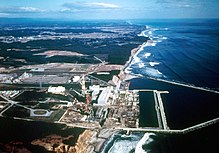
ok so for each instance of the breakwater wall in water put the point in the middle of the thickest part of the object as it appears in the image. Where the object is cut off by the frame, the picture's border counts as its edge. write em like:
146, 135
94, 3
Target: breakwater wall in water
172, 82
169, 131
184, 85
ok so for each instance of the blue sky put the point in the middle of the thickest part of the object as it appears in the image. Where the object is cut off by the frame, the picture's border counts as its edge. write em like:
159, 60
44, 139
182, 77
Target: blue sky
109, 9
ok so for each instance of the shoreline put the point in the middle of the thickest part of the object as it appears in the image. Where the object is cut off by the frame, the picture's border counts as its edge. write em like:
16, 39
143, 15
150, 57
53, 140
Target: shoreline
123, 75
128, 76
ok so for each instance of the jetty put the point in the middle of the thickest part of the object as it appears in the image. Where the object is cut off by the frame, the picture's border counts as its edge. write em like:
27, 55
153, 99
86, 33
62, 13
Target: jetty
169, 131
162, 121
184, 85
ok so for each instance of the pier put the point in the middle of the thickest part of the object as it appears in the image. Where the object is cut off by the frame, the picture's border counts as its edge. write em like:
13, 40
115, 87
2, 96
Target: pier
161, 116
157, 108
184, 85
162, 121
169, 131
161, 108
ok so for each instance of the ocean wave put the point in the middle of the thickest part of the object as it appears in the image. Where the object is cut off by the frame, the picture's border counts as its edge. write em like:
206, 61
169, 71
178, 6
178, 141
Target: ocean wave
154, 63
143, 33
147, 27
166, 28
155, 37
139, 65
136, 60
128, 70
146, 55
122, 143
150, 43
142, 47
150, 32
152, 72
145, 140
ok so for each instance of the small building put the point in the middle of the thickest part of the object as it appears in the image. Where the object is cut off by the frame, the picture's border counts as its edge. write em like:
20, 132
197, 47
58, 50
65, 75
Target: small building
37, 70
94, 87
76, 78
56, 90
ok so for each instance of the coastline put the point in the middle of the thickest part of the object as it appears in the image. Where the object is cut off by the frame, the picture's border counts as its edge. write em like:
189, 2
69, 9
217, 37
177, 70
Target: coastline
123, 75
95, 140
127, 76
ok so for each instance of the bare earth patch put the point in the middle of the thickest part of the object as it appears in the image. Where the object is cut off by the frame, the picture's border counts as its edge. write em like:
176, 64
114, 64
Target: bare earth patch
51, 53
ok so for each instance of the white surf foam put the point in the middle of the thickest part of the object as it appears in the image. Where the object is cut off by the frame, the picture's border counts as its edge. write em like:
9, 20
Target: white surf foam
145, 140
136, 62
128, 70
147, 27
155, 37
146, 55
159, 72
151, 43
124, 145
141, 65
154, 63
139, 35
150, 32
144, 33
152, 72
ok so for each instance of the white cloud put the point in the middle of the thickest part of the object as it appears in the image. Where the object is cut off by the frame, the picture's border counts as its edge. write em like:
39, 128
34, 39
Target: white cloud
21, 9
86, 6
4, 14
103, 5
184, 6
29, 9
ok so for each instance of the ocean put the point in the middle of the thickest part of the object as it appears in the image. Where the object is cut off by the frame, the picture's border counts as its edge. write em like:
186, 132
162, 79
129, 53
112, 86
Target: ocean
180, 51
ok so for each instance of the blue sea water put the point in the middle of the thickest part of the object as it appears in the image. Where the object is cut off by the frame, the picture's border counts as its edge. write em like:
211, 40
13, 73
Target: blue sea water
185, 51
181, 50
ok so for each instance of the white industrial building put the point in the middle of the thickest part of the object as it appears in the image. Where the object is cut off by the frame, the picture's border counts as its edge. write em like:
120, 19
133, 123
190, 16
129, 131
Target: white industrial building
95, 91
56, 90
76, 78
104, 96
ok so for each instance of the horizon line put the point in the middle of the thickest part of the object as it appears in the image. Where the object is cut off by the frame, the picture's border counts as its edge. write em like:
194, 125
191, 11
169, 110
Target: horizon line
87, 19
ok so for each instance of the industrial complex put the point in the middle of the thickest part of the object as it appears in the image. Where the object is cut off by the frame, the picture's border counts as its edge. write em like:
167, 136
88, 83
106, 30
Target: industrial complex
80, 95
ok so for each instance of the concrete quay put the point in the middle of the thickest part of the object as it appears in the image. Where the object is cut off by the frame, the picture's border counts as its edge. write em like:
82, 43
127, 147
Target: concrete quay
169, 131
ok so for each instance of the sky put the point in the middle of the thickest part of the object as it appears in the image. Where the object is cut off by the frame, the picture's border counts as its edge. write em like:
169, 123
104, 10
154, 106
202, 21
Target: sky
109, 9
